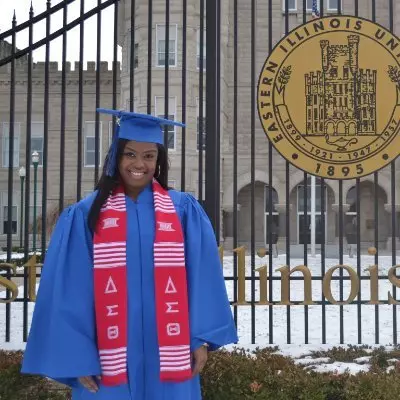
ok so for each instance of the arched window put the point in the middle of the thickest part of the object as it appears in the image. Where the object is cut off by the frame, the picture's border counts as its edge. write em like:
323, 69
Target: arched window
350, 222
351, 199
304, 216
274, 199
271, 221
300, 196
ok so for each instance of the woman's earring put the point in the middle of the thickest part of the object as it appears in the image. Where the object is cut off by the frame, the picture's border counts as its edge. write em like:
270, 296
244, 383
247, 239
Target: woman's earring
159, 170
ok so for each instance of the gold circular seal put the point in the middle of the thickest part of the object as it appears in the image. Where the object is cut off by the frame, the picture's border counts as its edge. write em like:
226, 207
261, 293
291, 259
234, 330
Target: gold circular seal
328, 97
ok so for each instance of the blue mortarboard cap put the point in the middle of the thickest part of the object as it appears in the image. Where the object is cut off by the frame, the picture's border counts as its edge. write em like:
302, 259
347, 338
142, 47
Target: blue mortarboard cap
134, 126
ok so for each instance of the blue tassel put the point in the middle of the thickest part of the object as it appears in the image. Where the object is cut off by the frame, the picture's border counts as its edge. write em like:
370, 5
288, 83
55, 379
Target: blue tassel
112, 154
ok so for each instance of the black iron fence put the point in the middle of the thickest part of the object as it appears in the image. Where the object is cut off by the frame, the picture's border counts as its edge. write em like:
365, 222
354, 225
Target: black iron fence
232, 40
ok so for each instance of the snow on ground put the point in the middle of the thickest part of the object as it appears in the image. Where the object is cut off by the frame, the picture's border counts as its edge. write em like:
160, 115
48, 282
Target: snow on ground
362, 360
278, 316
309, 360
16, 256
341, 367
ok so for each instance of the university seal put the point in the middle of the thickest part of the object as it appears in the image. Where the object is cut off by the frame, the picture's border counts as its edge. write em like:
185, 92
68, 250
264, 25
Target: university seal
328, 97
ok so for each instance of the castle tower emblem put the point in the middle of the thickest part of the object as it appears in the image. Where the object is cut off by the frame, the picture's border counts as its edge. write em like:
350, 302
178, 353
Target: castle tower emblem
341, 97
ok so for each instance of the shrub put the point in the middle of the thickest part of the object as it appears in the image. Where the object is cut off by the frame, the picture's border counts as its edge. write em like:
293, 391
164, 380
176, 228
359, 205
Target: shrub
344, 354
14, 249
239, 375
268, 376
14, 386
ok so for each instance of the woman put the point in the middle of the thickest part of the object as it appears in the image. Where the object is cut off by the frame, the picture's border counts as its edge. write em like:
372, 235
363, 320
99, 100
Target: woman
132, 293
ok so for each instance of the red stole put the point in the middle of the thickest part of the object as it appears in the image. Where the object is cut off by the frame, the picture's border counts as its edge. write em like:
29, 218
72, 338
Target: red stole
110, 283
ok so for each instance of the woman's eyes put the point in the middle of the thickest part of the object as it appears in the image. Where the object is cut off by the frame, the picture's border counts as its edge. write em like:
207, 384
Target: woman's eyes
148, 157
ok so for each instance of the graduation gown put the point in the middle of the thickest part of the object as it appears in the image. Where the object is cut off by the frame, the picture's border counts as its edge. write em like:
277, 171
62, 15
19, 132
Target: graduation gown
62, 338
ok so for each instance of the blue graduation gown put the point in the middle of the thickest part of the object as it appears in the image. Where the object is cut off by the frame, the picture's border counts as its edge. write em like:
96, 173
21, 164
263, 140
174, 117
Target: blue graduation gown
62, 339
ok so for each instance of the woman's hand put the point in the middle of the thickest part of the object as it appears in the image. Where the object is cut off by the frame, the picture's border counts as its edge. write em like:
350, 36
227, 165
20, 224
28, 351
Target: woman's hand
200, 356
90, 383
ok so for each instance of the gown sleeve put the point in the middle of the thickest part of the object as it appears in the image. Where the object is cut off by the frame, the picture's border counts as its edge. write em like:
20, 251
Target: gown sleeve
211, 318
62, 339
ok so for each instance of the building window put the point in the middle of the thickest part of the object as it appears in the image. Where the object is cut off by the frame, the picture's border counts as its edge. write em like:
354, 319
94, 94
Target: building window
310, 4
304, 218
292, 5
13, 225
198, 49
161, 45
6, 143
160, 107
171, 183
127, 55
90, 143
271, 221
333, 5
171, 132
350, 223
37, 138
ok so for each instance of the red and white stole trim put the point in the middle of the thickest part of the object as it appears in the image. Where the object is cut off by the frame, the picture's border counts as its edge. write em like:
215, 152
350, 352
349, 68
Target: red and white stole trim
110, 283
171, 290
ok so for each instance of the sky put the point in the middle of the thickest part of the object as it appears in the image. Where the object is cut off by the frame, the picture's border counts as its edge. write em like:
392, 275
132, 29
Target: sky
21, 8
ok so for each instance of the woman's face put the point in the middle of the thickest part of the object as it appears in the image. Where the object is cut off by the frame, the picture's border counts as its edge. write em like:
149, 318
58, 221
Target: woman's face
137, 164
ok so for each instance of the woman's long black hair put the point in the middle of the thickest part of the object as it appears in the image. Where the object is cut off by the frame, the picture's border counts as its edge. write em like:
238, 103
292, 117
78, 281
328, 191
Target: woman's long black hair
107, 184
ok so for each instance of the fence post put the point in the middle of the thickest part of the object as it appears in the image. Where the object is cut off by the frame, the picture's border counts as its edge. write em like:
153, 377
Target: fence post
212, 108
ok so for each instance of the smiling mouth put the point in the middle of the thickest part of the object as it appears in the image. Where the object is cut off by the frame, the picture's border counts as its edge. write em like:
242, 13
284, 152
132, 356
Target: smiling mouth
136, 174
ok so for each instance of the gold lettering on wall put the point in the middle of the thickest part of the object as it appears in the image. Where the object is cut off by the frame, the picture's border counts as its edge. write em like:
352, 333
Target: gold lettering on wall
32, 265
262, 271
285, 285
241, 258
7, 283
240, 252
395, 281
374, 285
326, 285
